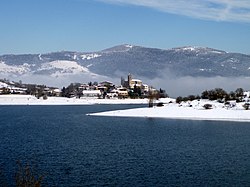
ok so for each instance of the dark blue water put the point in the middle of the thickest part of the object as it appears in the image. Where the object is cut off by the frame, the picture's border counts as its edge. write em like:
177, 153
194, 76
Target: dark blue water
71, 149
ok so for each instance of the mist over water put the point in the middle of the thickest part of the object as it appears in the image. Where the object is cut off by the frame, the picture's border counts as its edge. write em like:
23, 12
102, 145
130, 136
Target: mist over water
178, 85
58, 81
173, 85
184, 86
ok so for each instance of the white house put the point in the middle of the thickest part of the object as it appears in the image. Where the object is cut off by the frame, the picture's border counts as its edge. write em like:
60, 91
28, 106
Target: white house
118, 92
145, 88
246, 94
113, 94
135, 82
91, 93
122, 92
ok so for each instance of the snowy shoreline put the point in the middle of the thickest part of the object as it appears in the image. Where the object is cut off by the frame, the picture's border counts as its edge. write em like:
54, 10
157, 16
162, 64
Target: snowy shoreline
32, 100
196, 112
188, 111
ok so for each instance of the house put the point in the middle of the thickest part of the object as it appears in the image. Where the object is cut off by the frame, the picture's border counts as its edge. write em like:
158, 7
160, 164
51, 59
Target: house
112, 94
106, 84
122, 92
135, 82
145, 88
5, 90
102, 88
15, 90
91, 93
84, 87
246, 94
56, 92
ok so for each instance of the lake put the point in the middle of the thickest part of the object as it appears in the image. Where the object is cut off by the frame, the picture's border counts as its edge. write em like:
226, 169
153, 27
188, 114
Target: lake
70, 148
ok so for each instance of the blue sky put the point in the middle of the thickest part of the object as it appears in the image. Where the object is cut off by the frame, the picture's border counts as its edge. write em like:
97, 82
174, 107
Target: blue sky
40, 26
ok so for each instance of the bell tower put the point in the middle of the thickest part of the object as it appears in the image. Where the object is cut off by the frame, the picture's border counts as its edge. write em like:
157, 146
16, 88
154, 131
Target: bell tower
129, 79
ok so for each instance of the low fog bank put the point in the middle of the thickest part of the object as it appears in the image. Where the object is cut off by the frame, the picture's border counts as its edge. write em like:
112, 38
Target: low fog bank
59, 81
184, 86
175, 86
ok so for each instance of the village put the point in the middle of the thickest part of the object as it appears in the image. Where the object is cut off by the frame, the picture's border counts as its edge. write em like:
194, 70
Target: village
131, 88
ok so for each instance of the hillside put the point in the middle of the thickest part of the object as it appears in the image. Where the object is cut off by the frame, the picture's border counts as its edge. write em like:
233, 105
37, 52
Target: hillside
164, 68
140, 61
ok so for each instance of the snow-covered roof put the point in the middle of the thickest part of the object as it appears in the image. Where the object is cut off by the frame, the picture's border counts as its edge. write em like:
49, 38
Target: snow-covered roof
106, 82
136, 80
91, 91
57, 90
3, 85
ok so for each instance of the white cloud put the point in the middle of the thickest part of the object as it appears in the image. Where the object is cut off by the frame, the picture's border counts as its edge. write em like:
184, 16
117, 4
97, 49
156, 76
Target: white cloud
218, 10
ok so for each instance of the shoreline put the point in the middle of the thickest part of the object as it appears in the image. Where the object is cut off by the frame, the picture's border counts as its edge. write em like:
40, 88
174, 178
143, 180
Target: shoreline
185, 111
11, 100
177, 112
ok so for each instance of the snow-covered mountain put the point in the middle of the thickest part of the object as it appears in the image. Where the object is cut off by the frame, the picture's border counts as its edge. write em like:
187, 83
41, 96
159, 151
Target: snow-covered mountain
61, 67
14, 69
120, 60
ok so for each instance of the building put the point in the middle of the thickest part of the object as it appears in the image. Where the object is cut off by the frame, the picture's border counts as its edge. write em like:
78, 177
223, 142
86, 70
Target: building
120, 92
135, 82
91, 93
246, 94
56, 92
145, 88
106, 84
131, 83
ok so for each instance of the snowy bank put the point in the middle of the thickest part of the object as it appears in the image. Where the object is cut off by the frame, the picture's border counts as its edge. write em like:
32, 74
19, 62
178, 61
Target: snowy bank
192, 111
32, 100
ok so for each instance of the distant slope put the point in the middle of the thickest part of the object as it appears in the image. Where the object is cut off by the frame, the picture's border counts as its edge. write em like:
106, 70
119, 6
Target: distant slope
185, 61
120, 60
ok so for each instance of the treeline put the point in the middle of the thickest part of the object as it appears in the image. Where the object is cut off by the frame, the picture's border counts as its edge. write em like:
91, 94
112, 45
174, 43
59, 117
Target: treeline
74, 90
216, 94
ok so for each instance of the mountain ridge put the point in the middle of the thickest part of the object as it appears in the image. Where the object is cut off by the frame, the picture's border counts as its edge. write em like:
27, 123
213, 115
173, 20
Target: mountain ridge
140, 61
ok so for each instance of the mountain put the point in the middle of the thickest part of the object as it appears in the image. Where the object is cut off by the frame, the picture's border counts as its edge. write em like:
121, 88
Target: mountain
120, 60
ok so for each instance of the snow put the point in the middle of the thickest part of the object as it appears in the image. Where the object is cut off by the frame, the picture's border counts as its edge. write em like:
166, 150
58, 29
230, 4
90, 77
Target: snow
189, 48
187, 110
136, 80
3, 85
129, 46
32, 100
90, 56
40, 57
191, 111
63, 66
197, 49
20, 69
12, 88
218, 52
204, 69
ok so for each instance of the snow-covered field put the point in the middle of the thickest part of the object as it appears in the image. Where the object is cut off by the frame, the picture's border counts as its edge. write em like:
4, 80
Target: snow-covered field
192, 111
32, 100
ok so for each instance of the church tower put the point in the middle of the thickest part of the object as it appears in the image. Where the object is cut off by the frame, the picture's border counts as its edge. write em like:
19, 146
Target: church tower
129, 79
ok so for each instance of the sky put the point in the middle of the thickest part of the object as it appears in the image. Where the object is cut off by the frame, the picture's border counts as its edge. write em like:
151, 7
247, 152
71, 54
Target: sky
42, 26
